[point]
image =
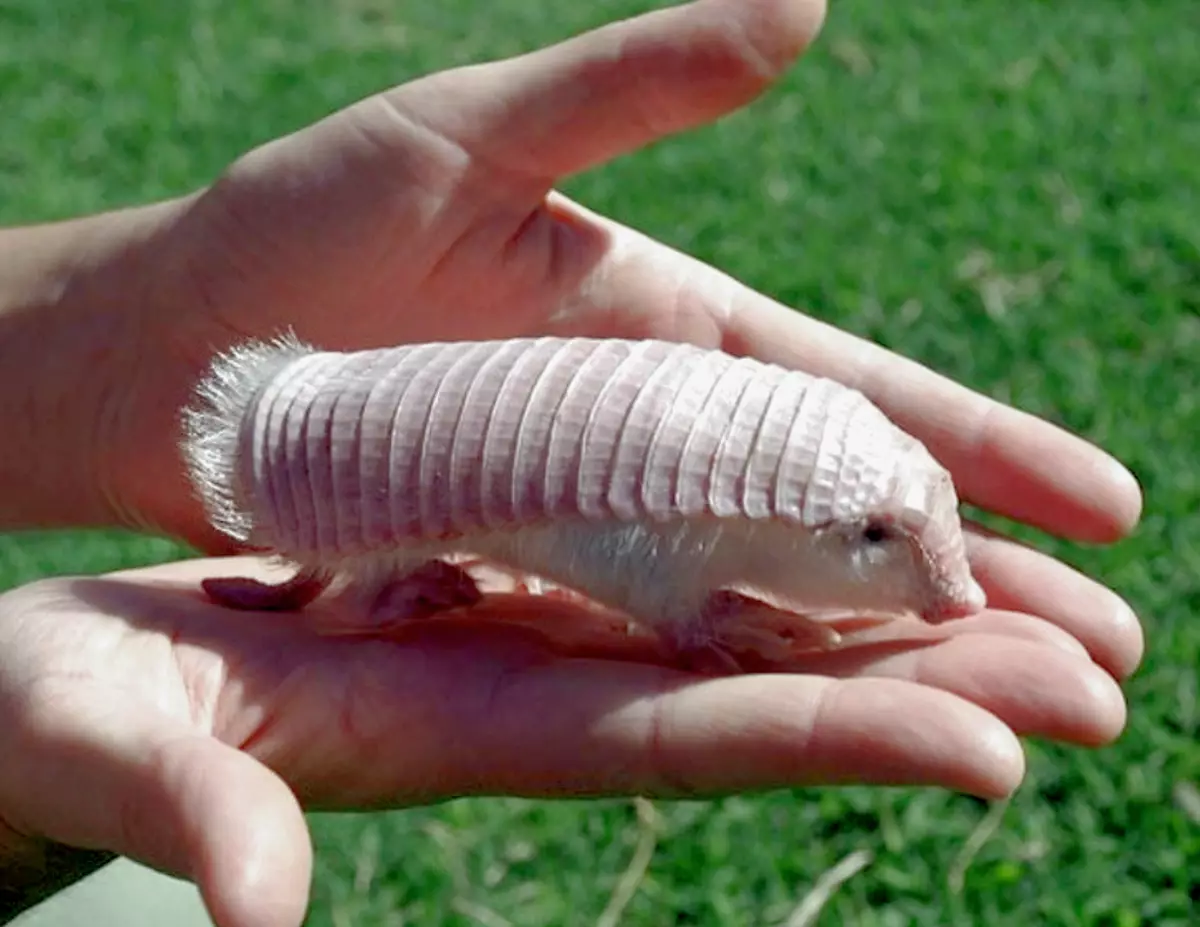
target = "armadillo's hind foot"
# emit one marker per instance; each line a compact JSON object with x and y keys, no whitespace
{"x":247,"y":594}
{"x":433,"y":587}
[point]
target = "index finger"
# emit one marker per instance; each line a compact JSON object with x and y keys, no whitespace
{"x":582,"y":101}
{"x":1004,"y":460}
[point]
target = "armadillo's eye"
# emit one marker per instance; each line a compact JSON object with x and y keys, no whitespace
{"x":876,"y":532}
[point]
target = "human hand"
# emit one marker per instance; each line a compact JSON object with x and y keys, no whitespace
{"x":138,"y":718}
{"x":427,"y":212}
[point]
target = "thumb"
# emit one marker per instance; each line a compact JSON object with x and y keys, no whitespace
{"x":567,"y":107}
{"x":245,"y":839}
{"x":179,"y":801}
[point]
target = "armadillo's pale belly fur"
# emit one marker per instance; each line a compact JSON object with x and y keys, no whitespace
{"x":344,"y":454}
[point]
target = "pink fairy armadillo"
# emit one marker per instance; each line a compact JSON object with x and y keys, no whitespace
{"x":675,"y":484}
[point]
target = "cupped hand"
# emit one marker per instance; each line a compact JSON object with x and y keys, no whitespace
{"x":429,"y":212}
{"x":138,"y":718}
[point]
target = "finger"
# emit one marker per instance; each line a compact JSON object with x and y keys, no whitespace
{"x":569,"y":106}
{"x":580,"y":727}
{"x":1036,"y":690}
{"x":1019,"y":578}
{"x":1004,"y":460}
{"x":990,"y":621}
{"x":101,"y":774}
{"x":1031,"y":674}
{"x":488,"y":710}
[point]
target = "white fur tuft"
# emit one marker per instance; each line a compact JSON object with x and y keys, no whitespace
{"x":212,"y":425}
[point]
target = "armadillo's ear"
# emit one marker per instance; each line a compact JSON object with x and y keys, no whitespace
{"x":212,"y":425}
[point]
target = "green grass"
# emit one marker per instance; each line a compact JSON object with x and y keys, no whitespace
{"x":1007,"y":191}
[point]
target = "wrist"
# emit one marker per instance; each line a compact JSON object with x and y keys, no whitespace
{"x":78,"y":318}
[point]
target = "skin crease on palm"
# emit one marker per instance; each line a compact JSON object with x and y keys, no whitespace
{"x":145,"y":720}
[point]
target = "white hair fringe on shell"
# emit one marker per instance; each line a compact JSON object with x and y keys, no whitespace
{"x":212,"y":423}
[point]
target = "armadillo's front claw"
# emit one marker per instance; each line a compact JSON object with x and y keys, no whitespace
{"x":732,"y":624}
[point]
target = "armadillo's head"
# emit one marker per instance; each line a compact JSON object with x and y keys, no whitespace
{"x":913,"y":538}
{"x":887,"y":525}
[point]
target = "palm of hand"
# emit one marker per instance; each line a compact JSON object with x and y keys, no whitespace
{"x":146,"y":721}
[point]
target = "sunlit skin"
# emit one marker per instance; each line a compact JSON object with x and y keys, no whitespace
{"x":139,"y":717}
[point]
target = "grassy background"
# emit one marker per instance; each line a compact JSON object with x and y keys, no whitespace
{"x":1007,"y":191}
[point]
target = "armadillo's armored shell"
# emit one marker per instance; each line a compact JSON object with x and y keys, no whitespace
{"x":344,"y":452}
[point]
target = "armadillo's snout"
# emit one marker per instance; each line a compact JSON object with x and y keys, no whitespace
{"x":960,"y":600}
{"x":951,"y":590}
